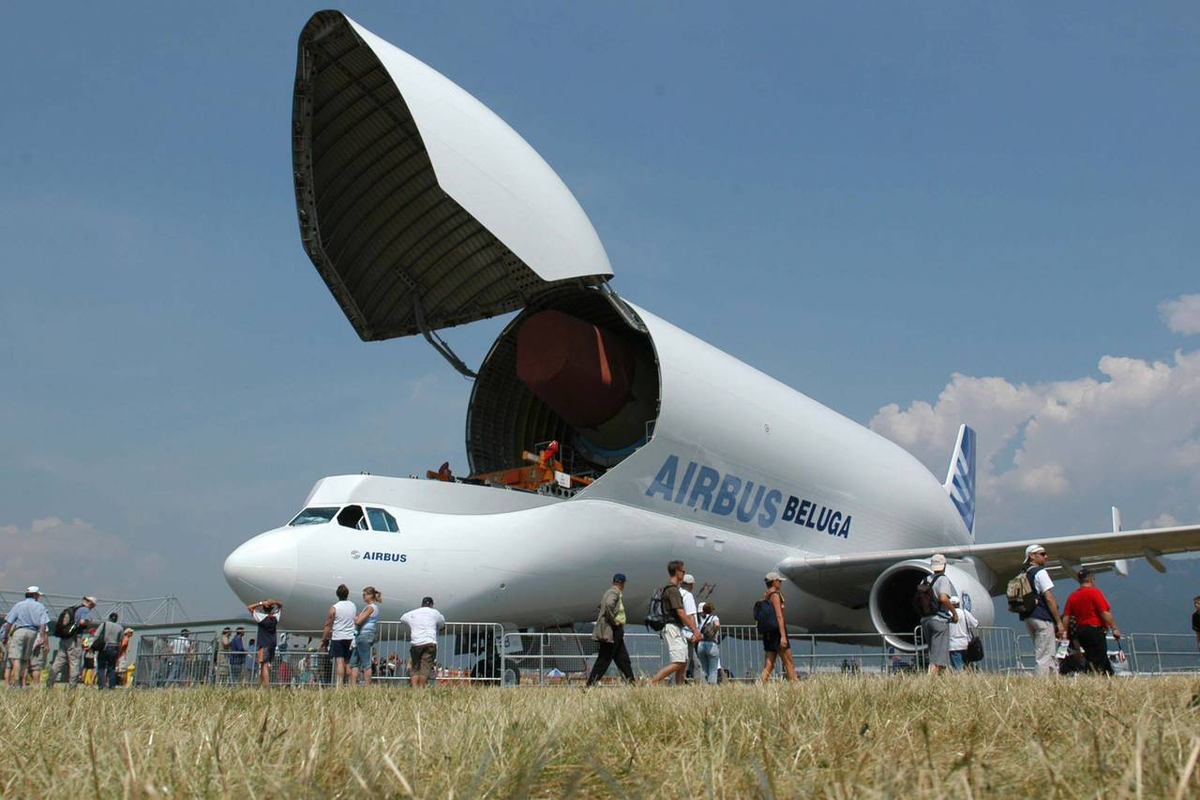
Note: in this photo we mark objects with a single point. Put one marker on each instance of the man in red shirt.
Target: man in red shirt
(1092, 615)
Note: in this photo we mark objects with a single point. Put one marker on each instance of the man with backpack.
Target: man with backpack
(68, 662)
(937, 613)
(1042, 619)
(677, 619)
(107, 647)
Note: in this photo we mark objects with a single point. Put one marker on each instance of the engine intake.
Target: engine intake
(891, 603)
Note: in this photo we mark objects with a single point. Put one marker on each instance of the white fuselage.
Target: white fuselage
(740, 473)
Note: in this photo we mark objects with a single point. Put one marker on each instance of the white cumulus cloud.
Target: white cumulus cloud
(71, 557)
(1182, 315)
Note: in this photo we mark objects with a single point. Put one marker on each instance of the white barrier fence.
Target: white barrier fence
(485, 653)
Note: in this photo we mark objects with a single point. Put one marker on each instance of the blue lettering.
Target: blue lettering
(845, 531)
(706, 481)
(808, 519)
(746, 514)
(688, 474)
(727, 495)
(823, 519)
(664, 481)
(805, 507)
(789, 511)
(770, 508)
(835, 522)
(403, 557)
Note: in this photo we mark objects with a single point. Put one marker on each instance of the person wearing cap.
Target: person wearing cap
(181, 649)
(609, 633)
(424, 624)
(935, 625)
(672, 632)
(1088, 608)
(109, 633)
(27, 621)
(775, 642)
(689, 606)
(960, 633)
(68, 661)
(1044, 624)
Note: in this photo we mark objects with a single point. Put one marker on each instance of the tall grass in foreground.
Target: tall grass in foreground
(841, 736)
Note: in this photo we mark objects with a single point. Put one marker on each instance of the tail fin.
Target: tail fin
(960, 480)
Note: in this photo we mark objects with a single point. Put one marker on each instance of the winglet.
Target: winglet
(960, 479)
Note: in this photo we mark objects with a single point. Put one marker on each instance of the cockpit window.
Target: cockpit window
(352, 517)
(382, 520)
(317, 515)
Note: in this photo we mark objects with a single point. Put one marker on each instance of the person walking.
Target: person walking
(108, 650)
(68, 661)
(672, 632)
(690, 607)
(775, 638)
(237, 655)
(961, 631)
(27, 621)
(937, 614)
(609, 633)
(1088, 608)
(222, 656)
(708, 651)
(423, 624)
(338, 633)
(267, 614)
(1044, 623)
(364, 639)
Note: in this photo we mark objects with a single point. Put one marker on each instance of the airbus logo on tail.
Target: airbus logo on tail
(729, 494)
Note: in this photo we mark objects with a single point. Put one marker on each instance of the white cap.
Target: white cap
(688, 578)
(954, 601)
(33, 590)
(1033, 548)
(90, 599)
(938, 562)
(775, 576)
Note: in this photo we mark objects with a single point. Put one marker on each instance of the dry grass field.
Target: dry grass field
(837, 736)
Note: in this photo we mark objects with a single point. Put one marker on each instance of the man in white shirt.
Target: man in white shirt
(1044, 623)
(424, 623)
(339, 627)
(960, 634)
(689, 607)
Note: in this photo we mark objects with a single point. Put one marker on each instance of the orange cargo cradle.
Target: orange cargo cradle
(543, 470)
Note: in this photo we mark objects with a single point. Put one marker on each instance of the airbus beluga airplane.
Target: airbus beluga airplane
(600, 437)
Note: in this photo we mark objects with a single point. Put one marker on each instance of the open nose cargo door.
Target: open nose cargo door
(419, 207)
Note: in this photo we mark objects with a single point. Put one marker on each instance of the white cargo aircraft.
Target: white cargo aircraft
(422, 209)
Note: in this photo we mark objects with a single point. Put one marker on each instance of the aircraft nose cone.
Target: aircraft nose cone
(264, 567)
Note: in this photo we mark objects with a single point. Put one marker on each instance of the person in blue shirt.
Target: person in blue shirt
(237, 655)
(364, 638)
(68, 662)
(27, 623)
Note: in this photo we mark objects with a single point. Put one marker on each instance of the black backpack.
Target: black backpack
(764, 617)
(925, 602)
(64, 626)
(656, 617)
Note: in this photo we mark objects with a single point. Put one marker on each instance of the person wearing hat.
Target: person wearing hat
(27, 621)
(423, 623)
(775, 642)
(610, 633)
(936, 621)
(960, 634)
(1044, 624)
(68, 661)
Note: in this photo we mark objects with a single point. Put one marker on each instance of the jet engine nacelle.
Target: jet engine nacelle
(891, 604)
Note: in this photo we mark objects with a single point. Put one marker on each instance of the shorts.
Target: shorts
(771, 641)
(423, 656)
(677, 646)
(937, 636)
(20, 644)
(266, 654)
(340, 648)
(361, 657)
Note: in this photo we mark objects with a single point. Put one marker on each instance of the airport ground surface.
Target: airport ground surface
(842, 736)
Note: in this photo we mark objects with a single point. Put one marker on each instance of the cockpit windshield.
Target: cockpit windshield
(316, 515)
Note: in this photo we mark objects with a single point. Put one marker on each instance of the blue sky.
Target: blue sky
(863, 201)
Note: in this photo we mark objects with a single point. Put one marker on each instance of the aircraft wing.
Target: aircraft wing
(821, 574)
